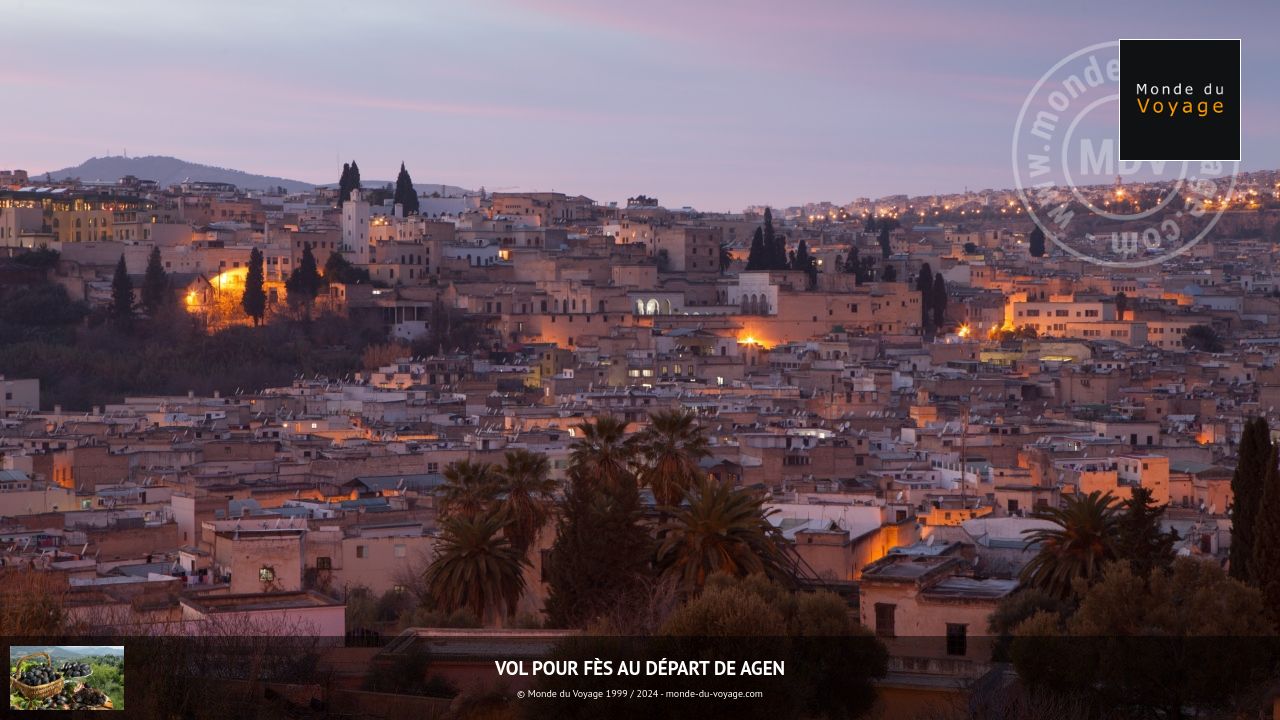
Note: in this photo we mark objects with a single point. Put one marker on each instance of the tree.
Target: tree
(1203, 338)
(671, 448)
(756, 258)
(1083, 541)
(406, 196)
(726, 258)
(476, 567)
(720, 529)
(1140, 540)
(254, 300)
(1122, 302)
(938, 299)
(1035, 242)
(155, 284)
(970, 249)
(1265, 567)
(889, 274)
(1246, 489)
(602, 555)
(337, 269)
(885, 248)
(304, 283)
(1189, 637)
(602, 455)
(526, 496)
(349, 181)
(469, 488)
(775, 246)
(924, 285)
(121, 307)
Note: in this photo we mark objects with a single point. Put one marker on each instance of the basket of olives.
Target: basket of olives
(82, 698)
(37, 681)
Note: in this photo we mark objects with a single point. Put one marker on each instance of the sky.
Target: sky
(716, 104)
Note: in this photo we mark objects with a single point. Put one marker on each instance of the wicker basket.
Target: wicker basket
(35, 692)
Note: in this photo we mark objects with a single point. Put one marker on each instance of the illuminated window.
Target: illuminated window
(267, 574)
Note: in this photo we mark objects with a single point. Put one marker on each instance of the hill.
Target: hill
(170, 171)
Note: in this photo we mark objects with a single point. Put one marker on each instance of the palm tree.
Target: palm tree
(526, 495)
(1083, 541)
(469, 488)
(720, 529)
(671, 447)
(602, 454)
(476, 566)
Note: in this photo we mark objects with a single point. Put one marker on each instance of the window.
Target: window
(324, 563)
(267, 574)
(957, 639)
(399, 551)
(360, 551)
(884, 619)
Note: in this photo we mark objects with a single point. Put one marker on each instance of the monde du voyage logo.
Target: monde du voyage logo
(1124, 151)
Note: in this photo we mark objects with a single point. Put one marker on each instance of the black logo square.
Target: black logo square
(1180, 100)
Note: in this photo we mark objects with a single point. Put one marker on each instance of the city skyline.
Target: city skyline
(700, 107)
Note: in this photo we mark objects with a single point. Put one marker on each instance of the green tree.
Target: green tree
(924, 285)
(671, 448)
(254, 299)
(1083, 541)
(1203, 338)
(526, 495)
(476, 567)
(756, 258)
(469, 488)
(601, 454)
(970, 249)
(1266, 541)
(602, 555)
(1122, 303)
(1246, 489)
(349, 181)
(121, 307)
(890, 273)
(938, 300)
(406, 196)
(304, 283)
(155, 284)
(1035, 242)
(886, 249)
(720, 529)
(337, 269)
(1139, 538)
(1190, 637)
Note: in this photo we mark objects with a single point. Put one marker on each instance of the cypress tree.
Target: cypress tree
(155, 284)
(939, 300)
(924, 285)
(121, 307)
(756, 259)
(601, 555)
(405, 195)
(254, 300)
(304, 282)
(775, 248)
(1246, 488)
(885, 249)
(1036, 242)
(889, 274)
(1265, 565)
(355, 177)
(344, 183)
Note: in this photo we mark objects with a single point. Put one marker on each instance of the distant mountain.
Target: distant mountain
(170, 171)
(63, 652)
